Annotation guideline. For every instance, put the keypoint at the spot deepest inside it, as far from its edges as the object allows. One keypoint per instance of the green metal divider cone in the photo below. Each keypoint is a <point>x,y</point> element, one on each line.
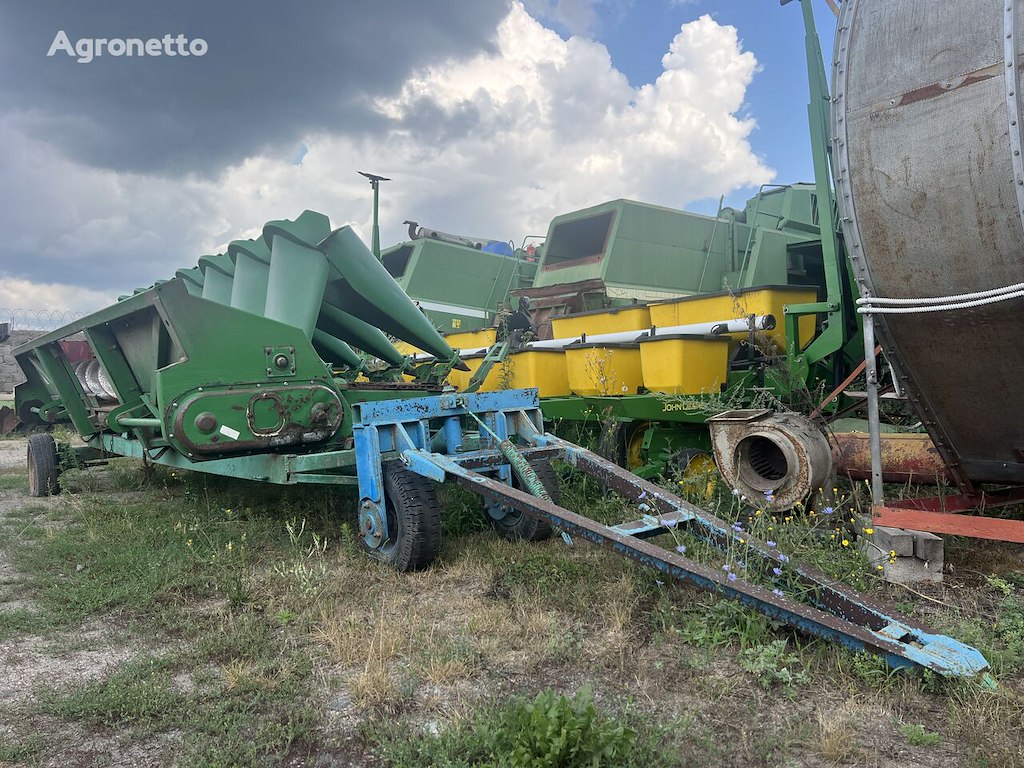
<point>334,350</point>
<point>217,277</point>
<point>298,271</point>
<point>252,273</point>
<point>371,294</point>
<point>193,279</point>
<point>355,331</point>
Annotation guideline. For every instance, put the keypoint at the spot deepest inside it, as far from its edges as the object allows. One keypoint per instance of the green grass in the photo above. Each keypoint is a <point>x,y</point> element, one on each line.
<point>20,751</point>
<point>155,560</point>
<point>139,693</point>
<point>248,607</point>
<point>20,620</point>
<point>13,481</point>
<point>918,736</point>
<point>176,542</point>
<point>550,730</point>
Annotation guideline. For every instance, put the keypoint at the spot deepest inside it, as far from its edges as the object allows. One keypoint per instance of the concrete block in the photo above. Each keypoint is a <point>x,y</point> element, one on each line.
<point>894,539</point>
<point>928,546</point>
<point>907,570</point>
<point>918,554</point>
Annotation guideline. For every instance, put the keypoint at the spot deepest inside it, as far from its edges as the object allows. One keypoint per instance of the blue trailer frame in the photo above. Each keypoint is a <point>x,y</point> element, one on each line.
<point>407,430</point>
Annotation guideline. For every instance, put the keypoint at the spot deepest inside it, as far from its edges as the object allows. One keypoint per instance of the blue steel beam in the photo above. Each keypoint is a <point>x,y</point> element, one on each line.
<point>900,641</point>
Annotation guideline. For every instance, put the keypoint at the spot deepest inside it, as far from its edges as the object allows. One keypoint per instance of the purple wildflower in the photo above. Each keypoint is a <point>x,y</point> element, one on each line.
<point>777,592</point>
<point>827,511</point>
<point>732,577</point>
<point>777,571</point>
<point>726,567</point>
<point>642,496</point>
<point>681,549</point>
<point>784,558</point>
<point>770,543</point>
<point>670,523</point>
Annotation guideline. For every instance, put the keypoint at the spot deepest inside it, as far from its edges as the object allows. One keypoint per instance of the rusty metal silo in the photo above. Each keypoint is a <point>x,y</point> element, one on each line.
<point>926,123</point>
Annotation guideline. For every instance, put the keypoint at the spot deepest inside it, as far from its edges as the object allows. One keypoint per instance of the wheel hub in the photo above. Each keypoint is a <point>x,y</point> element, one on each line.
<point>371,525</point>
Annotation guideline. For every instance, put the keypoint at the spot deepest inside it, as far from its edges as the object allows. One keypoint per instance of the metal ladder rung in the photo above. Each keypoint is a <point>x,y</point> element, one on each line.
<point>652,525</point>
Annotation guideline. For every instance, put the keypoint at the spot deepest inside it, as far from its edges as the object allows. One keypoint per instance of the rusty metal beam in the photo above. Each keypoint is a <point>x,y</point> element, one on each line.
<point>906,457</point>
<point>961,502</point>
<point>951,524</point>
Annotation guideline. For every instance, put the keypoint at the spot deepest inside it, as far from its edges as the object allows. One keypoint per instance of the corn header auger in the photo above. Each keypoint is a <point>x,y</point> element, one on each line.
<point>246,366</point>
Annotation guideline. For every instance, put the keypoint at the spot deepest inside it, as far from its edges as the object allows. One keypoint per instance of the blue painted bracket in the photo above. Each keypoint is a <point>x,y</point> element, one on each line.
<point>407,429</point>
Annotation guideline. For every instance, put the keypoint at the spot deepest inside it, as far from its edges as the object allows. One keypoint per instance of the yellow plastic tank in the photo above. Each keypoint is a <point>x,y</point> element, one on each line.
<point>481,337</point>
<point>684,364</point>
<point>629,318</point>
<point>496,379</point>
<point>597,370</point>
<point>459,379</point>
<point>406,348</point>
<point>544,369</point>
<point>767,300</point>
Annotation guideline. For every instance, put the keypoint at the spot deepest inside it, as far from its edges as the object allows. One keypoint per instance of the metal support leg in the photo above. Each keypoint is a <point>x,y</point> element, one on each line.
<point>871,371</point>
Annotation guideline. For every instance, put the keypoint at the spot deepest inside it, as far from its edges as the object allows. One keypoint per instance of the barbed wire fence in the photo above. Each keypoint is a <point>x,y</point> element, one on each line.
<point>23,319</point>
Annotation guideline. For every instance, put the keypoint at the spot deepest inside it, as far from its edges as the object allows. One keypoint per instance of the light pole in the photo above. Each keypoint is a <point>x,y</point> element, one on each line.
<point>375,181</point>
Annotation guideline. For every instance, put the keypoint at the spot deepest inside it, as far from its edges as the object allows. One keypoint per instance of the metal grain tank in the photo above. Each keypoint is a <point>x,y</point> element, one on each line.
<point>926,122</point>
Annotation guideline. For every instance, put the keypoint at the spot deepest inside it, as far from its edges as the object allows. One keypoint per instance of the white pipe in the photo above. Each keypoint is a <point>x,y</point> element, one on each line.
<point>871,309</point>
<point>957,298</point>
<point>715,328</point>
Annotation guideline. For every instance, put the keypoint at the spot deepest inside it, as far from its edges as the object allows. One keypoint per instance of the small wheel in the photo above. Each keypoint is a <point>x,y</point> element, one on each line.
<point>42,466</point>
<point>695,469</point>
<point>414,520</point>
<point>633,445</point>
<point>516,525</point>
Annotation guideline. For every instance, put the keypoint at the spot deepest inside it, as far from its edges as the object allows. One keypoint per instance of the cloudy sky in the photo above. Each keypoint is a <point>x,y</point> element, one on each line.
<point>491,116</point>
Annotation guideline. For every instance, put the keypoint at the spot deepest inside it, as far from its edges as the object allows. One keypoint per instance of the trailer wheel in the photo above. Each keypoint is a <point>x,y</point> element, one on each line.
<point>42,466</point>
<point>516,525</point>
<point>414,520</point>
<point>696,472</point>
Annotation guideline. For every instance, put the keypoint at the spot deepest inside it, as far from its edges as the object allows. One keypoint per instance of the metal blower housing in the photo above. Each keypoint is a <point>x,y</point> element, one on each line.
<point>761,453</point>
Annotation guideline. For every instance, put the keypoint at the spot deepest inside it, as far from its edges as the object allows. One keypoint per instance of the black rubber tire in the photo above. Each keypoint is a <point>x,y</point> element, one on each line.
<point>517,526</point>
<point>42,466</point>
<point>414,520</point>
<point>28,419</point>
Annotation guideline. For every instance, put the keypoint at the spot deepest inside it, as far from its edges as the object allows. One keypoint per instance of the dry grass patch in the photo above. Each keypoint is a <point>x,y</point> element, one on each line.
<point>837,738</point>
<point>990,725</point>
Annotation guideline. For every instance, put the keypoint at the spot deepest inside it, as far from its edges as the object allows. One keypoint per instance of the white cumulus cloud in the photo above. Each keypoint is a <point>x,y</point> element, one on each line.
<point>494,146</point>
